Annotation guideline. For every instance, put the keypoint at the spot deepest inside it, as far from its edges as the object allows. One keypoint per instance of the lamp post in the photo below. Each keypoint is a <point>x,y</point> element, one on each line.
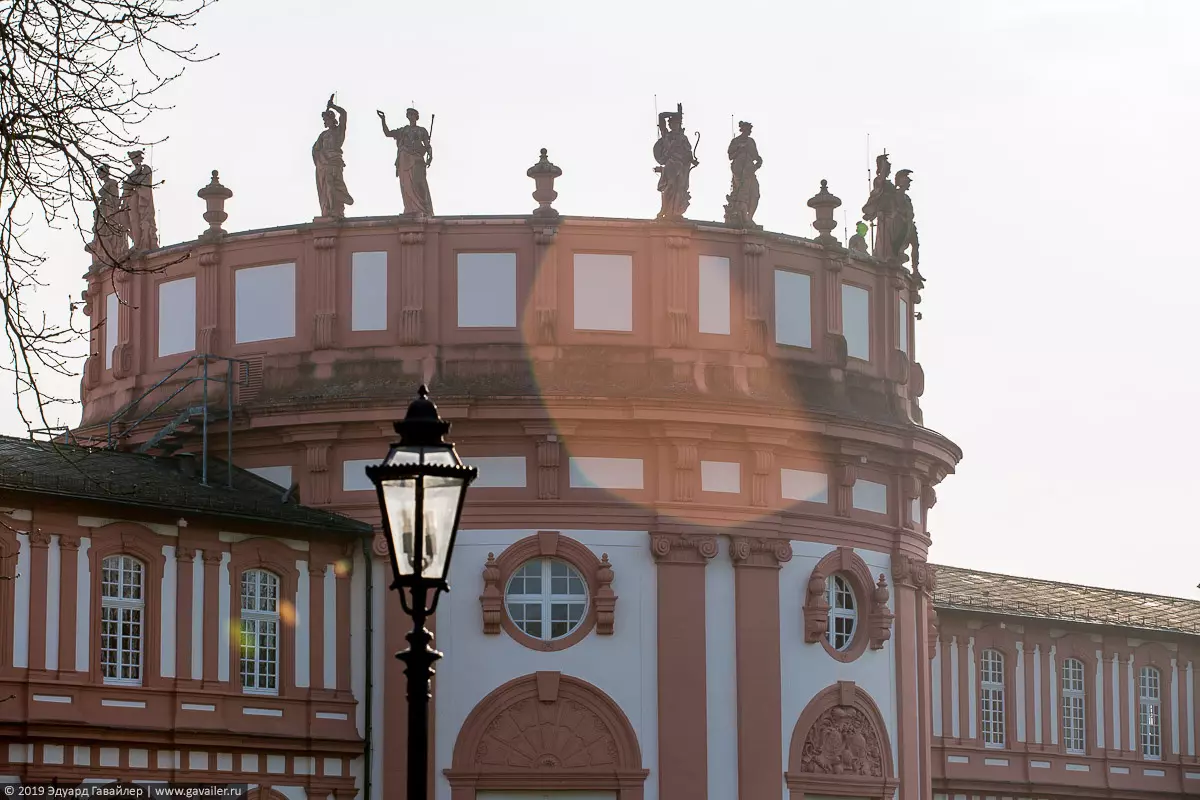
<point>421,485</point>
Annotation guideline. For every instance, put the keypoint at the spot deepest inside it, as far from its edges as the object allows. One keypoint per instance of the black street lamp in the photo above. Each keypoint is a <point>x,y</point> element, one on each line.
<point>422,485</point>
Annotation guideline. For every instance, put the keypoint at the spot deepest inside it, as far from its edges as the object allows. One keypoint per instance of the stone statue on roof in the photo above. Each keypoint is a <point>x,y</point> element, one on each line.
<point>332,193</point>
<point>137,204</point>
<point>744,161</point>
<point>858,242</point>
<point>414,155</point>
<point>110,242</point>
<point>880,207</point>
<point>676,160</point>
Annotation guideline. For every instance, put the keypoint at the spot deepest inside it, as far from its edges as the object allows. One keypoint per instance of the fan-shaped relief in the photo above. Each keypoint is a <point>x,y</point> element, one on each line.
<point>843,741</point>
<point>535,735</point>
<point>538,730</point>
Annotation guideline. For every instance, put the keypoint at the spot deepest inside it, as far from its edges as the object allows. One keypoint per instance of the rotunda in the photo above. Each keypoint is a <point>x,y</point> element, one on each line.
<point>693,564</point>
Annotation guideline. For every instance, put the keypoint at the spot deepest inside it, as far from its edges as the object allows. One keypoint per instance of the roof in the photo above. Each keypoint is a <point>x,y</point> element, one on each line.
<point>156,482</point>
<point>988,592</point>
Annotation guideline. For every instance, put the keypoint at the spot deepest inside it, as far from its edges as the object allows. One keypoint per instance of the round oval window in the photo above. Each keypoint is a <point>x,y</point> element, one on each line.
<point>546,598</point>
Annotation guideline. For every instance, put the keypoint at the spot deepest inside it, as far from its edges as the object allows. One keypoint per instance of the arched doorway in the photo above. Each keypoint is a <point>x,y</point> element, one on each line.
<point>840,747</point>
<point>547,732</point>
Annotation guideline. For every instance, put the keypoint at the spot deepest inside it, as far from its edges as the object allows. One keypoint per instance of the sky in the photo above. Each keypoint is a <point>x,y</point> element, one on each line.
<point>1053,148</point>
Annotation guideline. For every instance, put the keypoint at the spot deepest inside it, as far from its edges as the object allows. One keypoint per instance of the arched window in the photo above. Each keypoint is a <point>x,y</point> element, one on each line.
<point>122,614</point>
<point>991,684</point>
<point>1150,712</point>
<point>260,632</point>
<point>843,613</point>
<point>1073,705</point>
<point>546,598</point>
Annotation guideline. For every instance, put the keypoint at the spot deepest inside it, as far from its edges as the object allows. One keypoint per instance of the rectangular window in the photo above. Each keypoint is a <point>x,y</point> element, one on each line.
<point>265,303</point>
<point>606,473</point>
<point>499,472</point>
<point>354,475</point>
<point>991,683</point>
<point>603,292</point>
<point>902,334</point>
<point>487,290</point>
<point>869,496</point>
<point>1150,712</point>
<point>793,308</point>
<point>111,327</point>
<point>1073,706</point>
<point>714,295</point>
<point>122,607</point>
<point>177,316</point>
<point>856,321</point>
<point>368,290</point>
<point>721,476</point>
<point>798,484</point>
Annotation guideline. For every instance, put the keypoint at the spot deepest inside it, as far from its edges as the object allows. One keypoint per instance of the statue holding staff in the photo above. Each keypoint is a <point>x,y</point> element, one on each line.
<point>332,193</point>
<point>137,204</point>
<point>744,161</point>
<point>414,155</point>
<point>880,208</point>
<point>676,160</point>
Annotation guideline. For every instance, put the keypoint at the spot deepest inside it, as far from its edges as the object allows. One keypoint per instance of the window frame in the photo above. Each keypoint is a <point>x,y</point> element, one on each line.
<point>1077,697</point>
<point>260,617</point>
<point>1145,702</point>
<point>836,612</point>
<point>992,691</point>
<point>121,604</point>
<point>547,599</point>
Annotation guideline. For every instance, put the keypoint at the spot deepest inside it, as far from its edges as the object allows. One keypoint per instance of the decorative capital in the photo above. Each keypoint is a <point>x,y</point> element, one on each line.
<point>185,554</point>
<point>753,249</point>
<point>746,551</point>
<point>412,238</point>
<point>678,242</point>
<point>325,242</point>
<point>210,259</point>
<point>674,548</point>
<point>913,573</point>
<point>213,558</point>
<point>39,538</point>
<point>545,236</point>
<point>379,546</point>
<point>68,541</point>
<point>317,456</point>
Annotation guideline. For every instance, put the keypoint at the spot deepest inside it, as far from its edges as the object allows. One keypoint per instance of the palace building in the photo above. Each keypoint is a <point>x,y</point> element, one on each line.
<point>694,564</point>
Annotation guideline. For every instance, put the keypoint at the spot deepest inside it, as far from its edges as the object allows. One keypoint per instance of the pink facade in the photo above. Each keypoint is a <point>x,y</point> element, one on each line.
<point>709,439</point>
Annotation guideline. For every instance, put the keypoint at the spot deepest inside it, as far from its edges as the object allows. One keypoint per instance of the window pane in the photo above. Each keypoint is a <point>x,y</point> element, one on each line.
<point>546,586</point>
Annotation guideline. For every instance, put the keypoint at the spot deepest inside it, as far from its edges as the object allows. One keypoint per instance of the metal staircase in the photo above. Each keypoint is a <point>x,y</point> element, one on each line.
<point>180,426</point>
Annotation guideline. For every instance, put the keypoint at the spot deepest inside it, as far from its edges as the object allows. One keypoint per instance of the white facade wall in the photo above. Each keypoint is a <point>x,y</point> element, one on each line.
<point>623,665</point>
<point>807,668</point>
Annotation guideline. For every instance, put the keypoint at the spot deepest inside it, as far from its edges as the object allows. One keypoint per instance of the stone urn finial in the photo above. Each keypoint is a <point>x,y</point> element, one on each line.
<point>214,195</point>
<point>543,174</point>
<point>824,203</point>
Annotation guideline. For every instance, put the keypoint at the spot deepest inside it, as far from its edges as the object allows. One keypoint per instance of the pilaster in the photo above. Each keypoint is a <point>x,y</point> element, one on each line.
<point>913,580</point>
<point>412,287</point>
<point>316,623</point>
<point>68,586</point>
<point>545,286</point>
<point>756,564</point>
<point>678,298</point>
<point>122,364</point>
<point>682,679</point>
<point>39,557</point>
<point>325,317</point>
<point>212,623</point>
<point>756,323</point>
<point>208,302</point>
<point>185,558</point>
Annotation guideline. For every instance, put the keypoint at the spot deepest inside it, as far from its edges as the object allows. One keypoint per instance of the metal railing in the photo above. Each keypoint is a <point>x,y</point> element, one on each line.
<point>115,434</point>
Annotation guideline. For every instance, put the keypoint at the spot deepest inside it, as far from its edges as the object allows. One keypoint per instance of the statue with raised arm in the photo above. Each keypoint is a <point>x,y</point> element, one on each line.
<point>880,208</point>
<point>414,155</point>
<point>137,204</point>
<point>744,161</point>
<point>110,243</point>
<point>676,159</point>
<point>332,193</point>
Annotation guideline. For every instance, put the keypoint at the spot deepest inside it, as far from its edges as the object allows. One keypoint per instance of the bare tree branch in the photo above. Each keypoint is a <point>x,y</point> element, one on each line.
<point>77,77</point>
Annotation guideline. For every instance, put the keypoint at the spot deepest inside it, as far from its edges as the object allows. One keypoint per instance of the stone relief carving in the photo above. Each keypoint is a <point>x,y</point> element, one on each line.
<point>881,615</point>
<point>744,162</point>
<point>110,242</point>
<point>492,599</point>
<point>606,599</point>
<point>137,204</point>
<point>843,741</point>
<point>332,193</point>
<point>676,159</point>
<point>558,735</point>
<point>414,156</point>
<point>816,609</point>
